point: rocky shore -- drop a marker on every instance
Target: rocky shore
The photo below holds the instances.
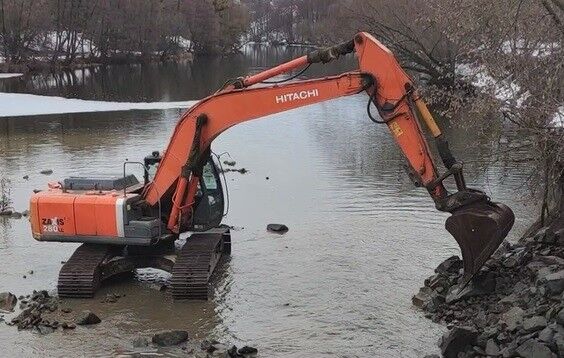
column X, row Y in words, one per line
column 513, row 308
column 44, row 314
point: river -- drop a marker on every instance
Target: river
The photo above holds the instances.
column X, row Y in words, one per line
column 362, row 239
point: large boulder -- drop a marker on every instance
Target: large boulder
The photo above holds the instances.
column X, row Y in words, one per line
column 457, row 340
column 85, row 318
column 170, row 338
column 7, row 301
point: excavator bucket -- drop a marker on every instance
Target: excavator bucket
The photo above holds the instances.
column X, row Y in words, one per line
column 479, row 229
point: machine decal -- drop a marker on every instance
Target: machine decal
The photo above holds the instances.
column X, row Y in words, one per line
column 295, row 96
column 396, row 129
column 53, row 224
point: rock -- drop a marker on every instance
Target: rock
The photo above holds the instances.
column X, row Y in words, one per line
column 87, row 318
column 46, row 172
column 451, row 265
column 25, row 213
column 554, row 283
column 248, row 350
column 219, row 350
column 170, row 338
column 432, row 356
column 279, row 228
column 457, row 340
column 560, row 317
column 513, row 318
column 44, row 330
column 492, row 349
column 66, row 310
column 534, row 323
column 7, row 301
column 546, row 335
column 66, row 325
column 230, row 163
column 25, row 177
column 534, row 349
column 6, row 213
column 140, row 342
column 232, row 352
column 16, row 215
column 423, row 297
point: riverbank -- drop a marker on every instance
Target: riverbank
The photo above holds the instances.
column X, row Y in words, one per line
column 45, row 64
column 513, row 308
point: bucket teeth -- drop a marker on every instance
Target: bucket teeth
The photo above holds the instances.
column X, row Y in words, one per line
column 479, row 229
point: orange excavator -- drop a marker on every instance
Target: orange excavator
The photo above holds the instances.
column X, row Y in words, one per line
column 126, row 224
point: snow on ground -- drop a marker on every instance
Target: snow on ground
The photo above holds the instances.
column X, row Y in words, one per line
column 558, row 118
column 18, row 104
column 10, row 75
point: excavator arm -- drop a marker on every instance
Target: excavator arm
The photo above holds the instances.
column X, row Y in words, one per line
column 477, row 224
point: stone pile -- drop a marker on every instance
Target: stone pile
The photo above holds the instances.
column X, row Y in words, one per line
column 514, row 307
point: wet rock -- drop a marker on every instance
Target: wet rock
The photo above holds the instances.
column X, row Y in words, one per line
column 534, row 323
column 87, row 318
column 25, row 177
column 232, row 352
column 6, row 213
column 219, row 350
column 247, row 350
column 513, row 318
column 457, row 340
column 16, row 215
column 140, row 342
column 66, row 325
column 554, row 283
column 7, row 301
column 43, row 330
column 278, row 228
column 492, row 349
column 170, row 338
column 451, row 265
column 25, row 213
column 423, row 297
column 46, row 172
column 230, row 163
column 534, row 349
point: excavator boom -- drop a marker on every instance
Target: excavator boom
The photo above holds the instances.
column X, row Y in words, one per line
column 184, row 187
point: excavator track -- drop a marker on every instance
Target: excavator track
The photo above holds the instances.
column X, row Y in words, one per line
column 80, row 276
column 195, row 264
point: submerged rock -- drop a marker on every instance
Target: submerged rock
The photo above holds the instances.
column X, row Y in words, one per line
column 248, row 350
column 170, row 338
column 140, row 342
column 7, row 301
column 85, row 318
column 46, row 172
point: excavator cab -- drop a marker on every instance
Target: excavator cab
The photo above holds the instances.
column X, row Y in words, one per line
column 209, row 200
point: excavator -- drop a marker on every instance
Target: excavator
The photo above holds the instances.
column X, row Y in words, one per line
column 124, row 224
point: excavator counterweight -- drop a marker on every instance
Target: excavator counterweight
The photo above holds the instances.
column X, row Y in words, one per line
column 124, row 224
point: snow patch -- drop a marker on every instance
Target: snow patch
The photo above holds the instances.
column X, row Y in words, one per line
column 18, row 104
column 10, row 75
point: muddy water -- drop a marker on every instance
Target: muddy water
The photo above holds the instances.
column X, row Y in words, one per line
column 338, row 284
